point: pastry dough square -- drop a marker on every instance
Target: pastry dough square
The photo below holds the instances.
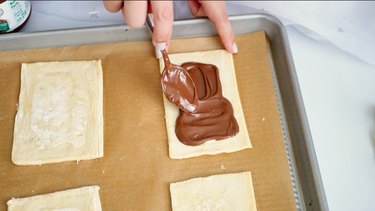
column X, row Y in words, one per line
column 60, row 113
column 78, row 199
column 224, row 62
column 218, row 192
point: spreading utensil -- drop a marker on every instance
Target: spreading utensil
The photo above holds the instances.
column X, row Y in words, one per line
column 177, row 85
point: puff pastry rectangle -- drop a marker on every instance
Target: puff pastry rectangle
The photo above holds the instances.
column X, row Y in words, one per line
column 224, row 62
column 217, row 192
column 78, row 199
column 60, row 113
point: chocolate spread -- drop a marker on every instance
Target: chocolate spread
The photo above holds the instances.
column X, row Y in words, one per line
column 204, row 113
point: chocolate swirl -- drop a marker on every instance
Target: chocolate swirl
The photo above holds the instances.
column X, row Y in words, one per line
column 204, row 113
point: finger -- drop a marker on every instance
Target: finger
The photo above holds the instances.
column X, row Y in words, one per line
column 217, row 13
column 163, row 19
column 196, row 8
column 113, row 6
column 135, row 13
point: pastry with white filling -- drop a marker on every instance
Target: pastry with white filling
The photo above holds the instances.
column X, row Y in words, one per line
column 60, row 113
column 78, row 199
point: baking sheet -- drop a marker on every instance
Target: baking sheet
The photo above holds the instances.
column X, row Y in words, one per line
column 136, row 171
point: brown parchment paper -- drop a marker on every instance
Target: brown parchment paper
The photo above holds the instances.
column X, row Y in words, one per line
column 136, row 171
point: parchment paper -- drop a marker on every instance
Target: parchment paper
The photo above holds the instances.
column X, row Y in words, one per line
column 136, row 171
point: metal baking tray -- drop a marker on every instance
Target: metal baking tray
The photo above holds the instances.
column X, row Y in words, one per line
column 304, row 169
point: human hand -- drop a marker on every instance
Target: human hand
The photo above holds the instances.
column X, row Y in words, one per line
column 217, row 13
column 134, row 13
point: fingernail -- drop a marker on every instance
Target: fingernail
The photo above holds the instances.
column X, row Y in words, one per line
column 235, row 48
column 158, row 48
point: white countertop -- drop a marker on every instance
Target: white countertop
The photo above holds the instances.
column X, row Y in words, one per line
column 333, row 47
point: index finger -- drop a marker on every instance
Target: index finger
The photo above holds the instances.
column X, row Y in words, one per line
column 216, row 12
